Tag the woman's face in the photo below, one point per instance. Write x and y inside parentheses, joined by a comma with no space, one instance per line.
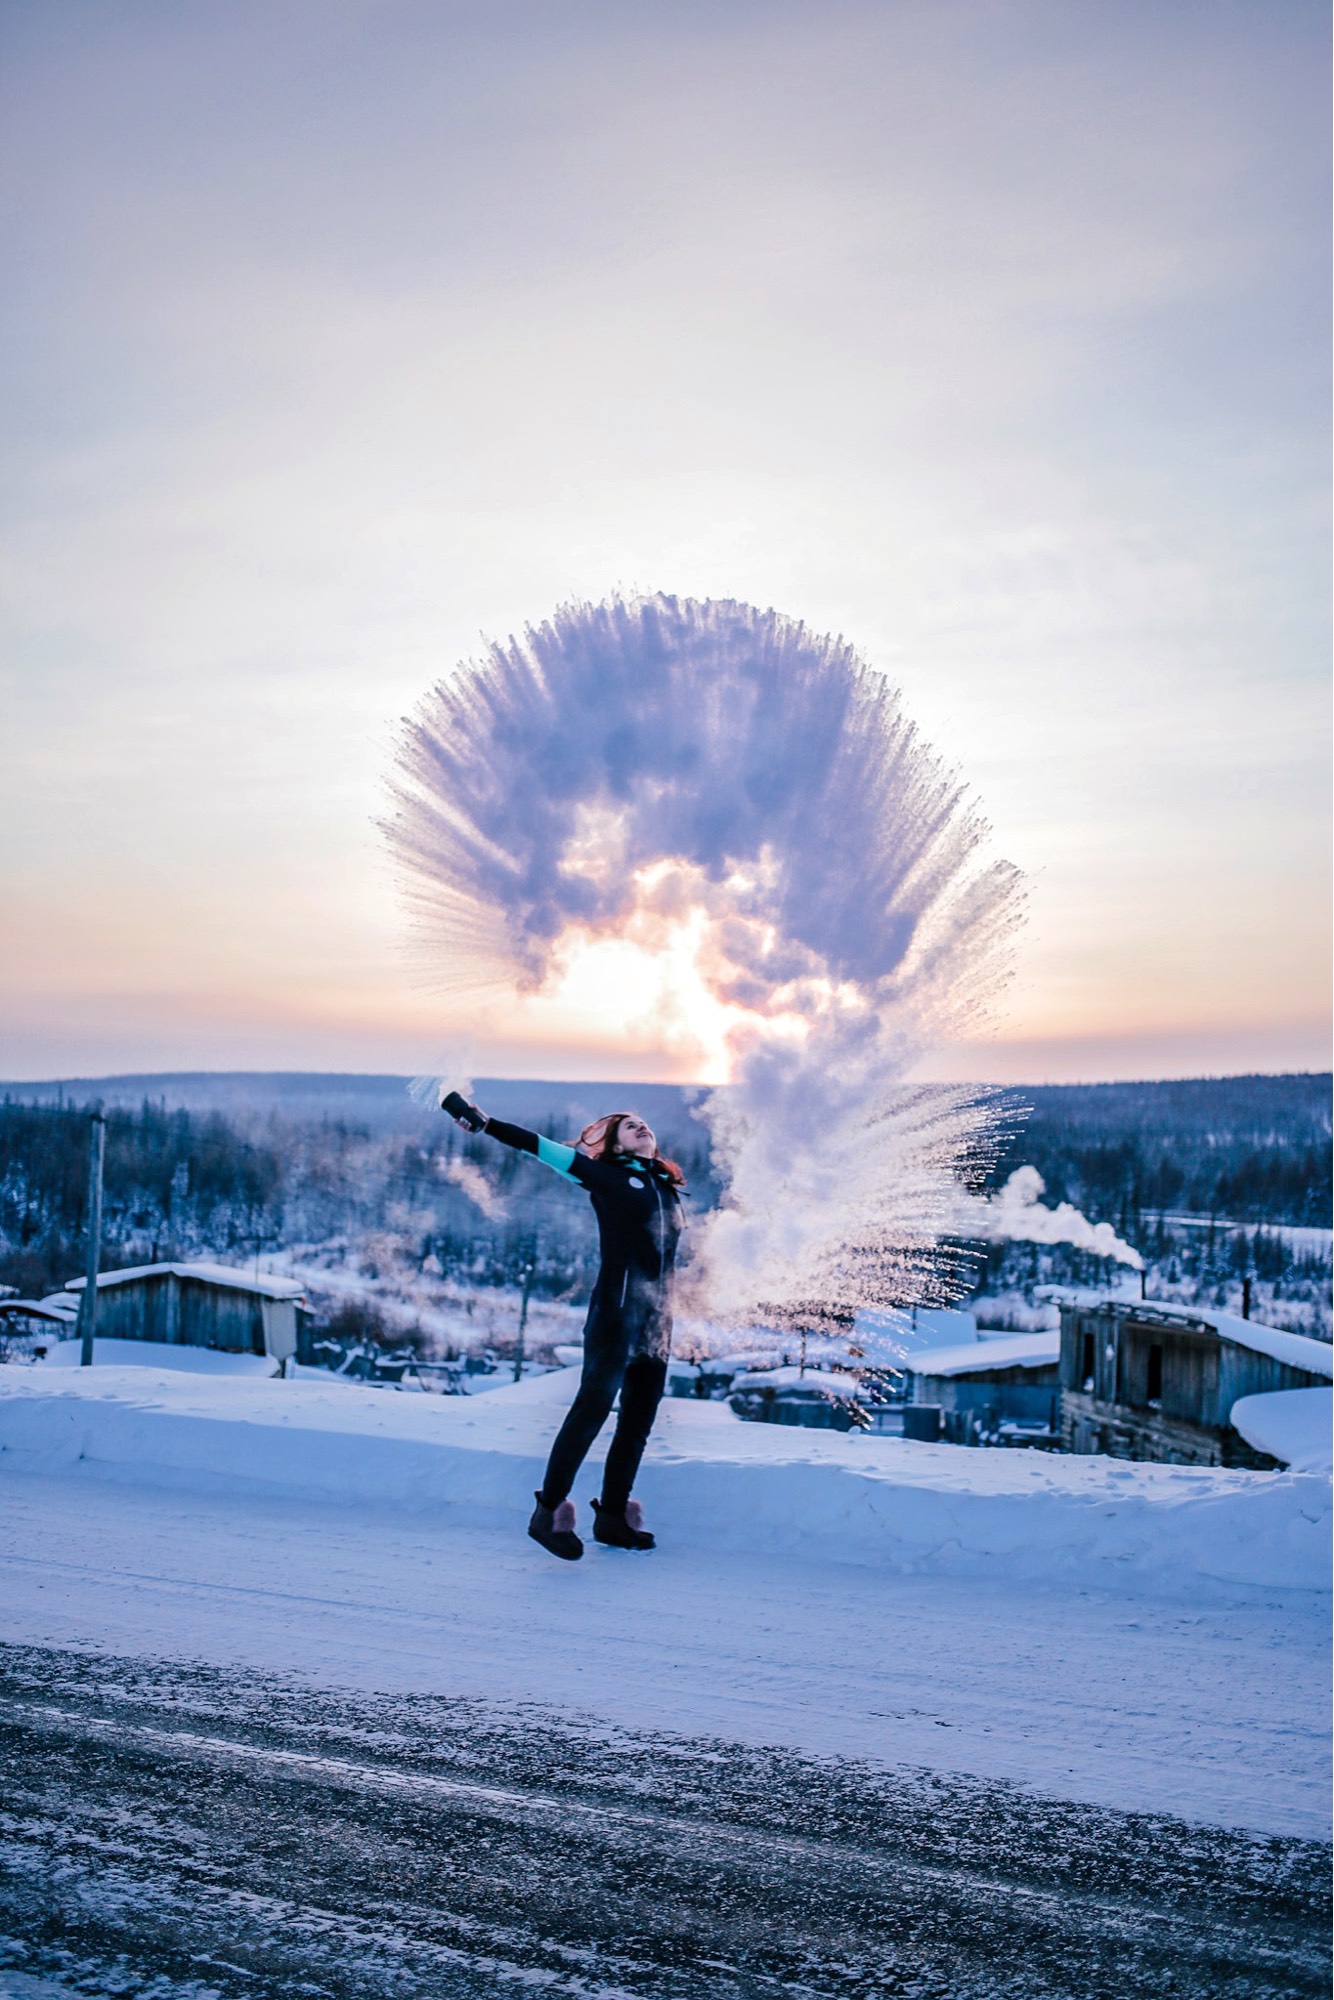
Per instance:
(634,1136)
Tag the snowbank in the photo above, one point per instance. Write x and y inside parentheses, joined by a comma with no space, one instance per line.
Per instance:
(1290,1424)
(761,1489)
(158,1354)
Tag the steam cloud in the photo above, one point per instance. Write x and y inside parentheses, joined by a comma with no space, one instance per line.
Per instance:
(1016,1215)
(633,767)
(470,1180)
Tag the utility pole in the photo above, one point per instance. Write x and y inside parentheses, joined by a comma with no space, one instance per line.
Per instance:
(528,1270)
(97,1139)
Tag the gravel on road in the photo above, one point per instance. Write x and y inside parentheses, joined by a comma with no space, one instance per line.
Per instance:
(176,1832)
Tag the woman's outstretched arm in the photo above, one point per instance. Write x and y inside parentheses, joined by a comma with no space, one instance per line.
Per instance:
(549,1151)
(561,1159)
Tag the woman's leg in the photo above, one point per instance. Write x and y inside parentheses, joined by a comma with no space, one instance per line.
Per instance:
(603,1369)
(641,1393)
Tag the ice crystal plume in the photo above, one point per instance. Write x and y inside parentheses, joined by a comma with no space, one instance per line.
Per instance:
(629,765)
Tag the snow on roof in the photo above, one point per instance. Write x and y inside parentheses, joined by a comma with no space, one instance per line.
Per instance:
(1293,1425)
(265,1286)
(1294,1350)
(36,1309)
(819,1381)
(983,1357)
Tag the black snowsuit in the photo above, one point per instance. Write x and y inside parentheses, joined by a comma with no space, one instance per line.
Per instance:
(628,1331)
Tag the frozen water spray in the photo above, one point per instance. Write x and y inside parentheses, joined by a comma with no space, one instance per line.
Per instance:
(658,768)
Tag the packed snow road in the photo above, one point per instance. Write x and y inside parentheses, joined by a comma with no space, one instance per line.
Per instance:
(199,1833)
(1212,1711)
(295,1707)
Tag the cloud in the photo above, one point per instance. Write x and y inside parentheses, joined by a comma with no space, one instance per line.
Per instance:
(982,333)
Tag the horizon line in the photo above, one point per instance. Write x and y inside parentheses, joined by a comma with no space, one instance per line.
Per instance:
(8,1084)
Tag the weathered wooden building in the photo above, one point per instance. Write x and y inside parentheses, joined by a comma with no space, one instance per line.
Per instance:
(1157,1381)
(199,1305)
(32,1326)
(813,1398)
(1002,1391)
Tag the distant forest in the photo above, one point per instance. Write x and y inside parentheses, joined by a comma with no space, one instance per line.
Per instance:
(173,1181)
(1249,1148)
(190,1183)
(184,1184)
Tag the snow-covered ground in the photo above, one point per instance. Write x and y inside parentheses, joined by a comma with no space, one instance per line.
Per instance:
(1140,1636)
(184,1360)
(1306,1239)
(870,1502)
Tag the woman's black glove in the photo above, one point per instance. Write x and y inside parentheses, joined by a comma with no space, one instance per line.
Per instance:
(464,1114)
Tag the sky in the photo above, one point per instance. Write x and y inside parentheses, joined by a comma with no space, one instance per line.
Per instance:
(342,338)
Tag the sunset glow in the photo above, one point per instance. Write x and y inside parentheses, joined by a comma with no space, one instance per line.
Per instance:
(991,349)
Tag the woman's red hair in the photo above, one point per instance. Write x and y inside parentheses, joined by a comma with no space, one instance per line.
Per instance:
(599,1139)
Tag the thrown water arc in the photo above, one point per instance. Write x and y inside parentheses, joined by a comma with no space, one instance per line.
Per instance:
(630,765)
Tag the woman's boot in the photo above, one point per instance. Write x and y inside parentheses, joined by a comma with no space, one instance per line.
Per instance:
(554,1528)
(621,1531)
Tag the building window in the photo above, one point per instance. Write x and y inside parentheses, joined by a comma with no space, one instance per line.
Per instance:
(1088,1362)
(1155,1374)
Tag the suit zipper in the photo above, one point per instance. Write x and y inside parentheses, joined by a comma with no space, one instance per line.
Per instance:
(662,1241)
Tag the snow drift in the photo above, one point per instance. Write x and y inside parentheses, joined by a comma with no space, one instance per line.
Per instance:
(1293,1425)
(718,1483)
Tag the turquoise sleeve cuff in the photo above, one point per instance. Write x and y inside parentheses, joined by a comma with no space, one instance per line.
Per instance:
(559,1158)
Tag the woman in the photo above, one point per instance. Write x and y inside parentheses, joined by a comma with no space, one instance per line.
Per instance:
(636,1196)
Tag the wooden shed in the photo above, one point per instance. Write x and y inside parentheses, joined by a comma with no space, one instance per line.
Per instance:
(1001,1391)
(199,1305)
(1158,1381)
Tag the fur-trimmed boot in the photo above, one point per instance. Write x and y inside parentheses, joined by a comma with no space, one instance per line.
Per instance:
(554,1528)
(621,1531)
